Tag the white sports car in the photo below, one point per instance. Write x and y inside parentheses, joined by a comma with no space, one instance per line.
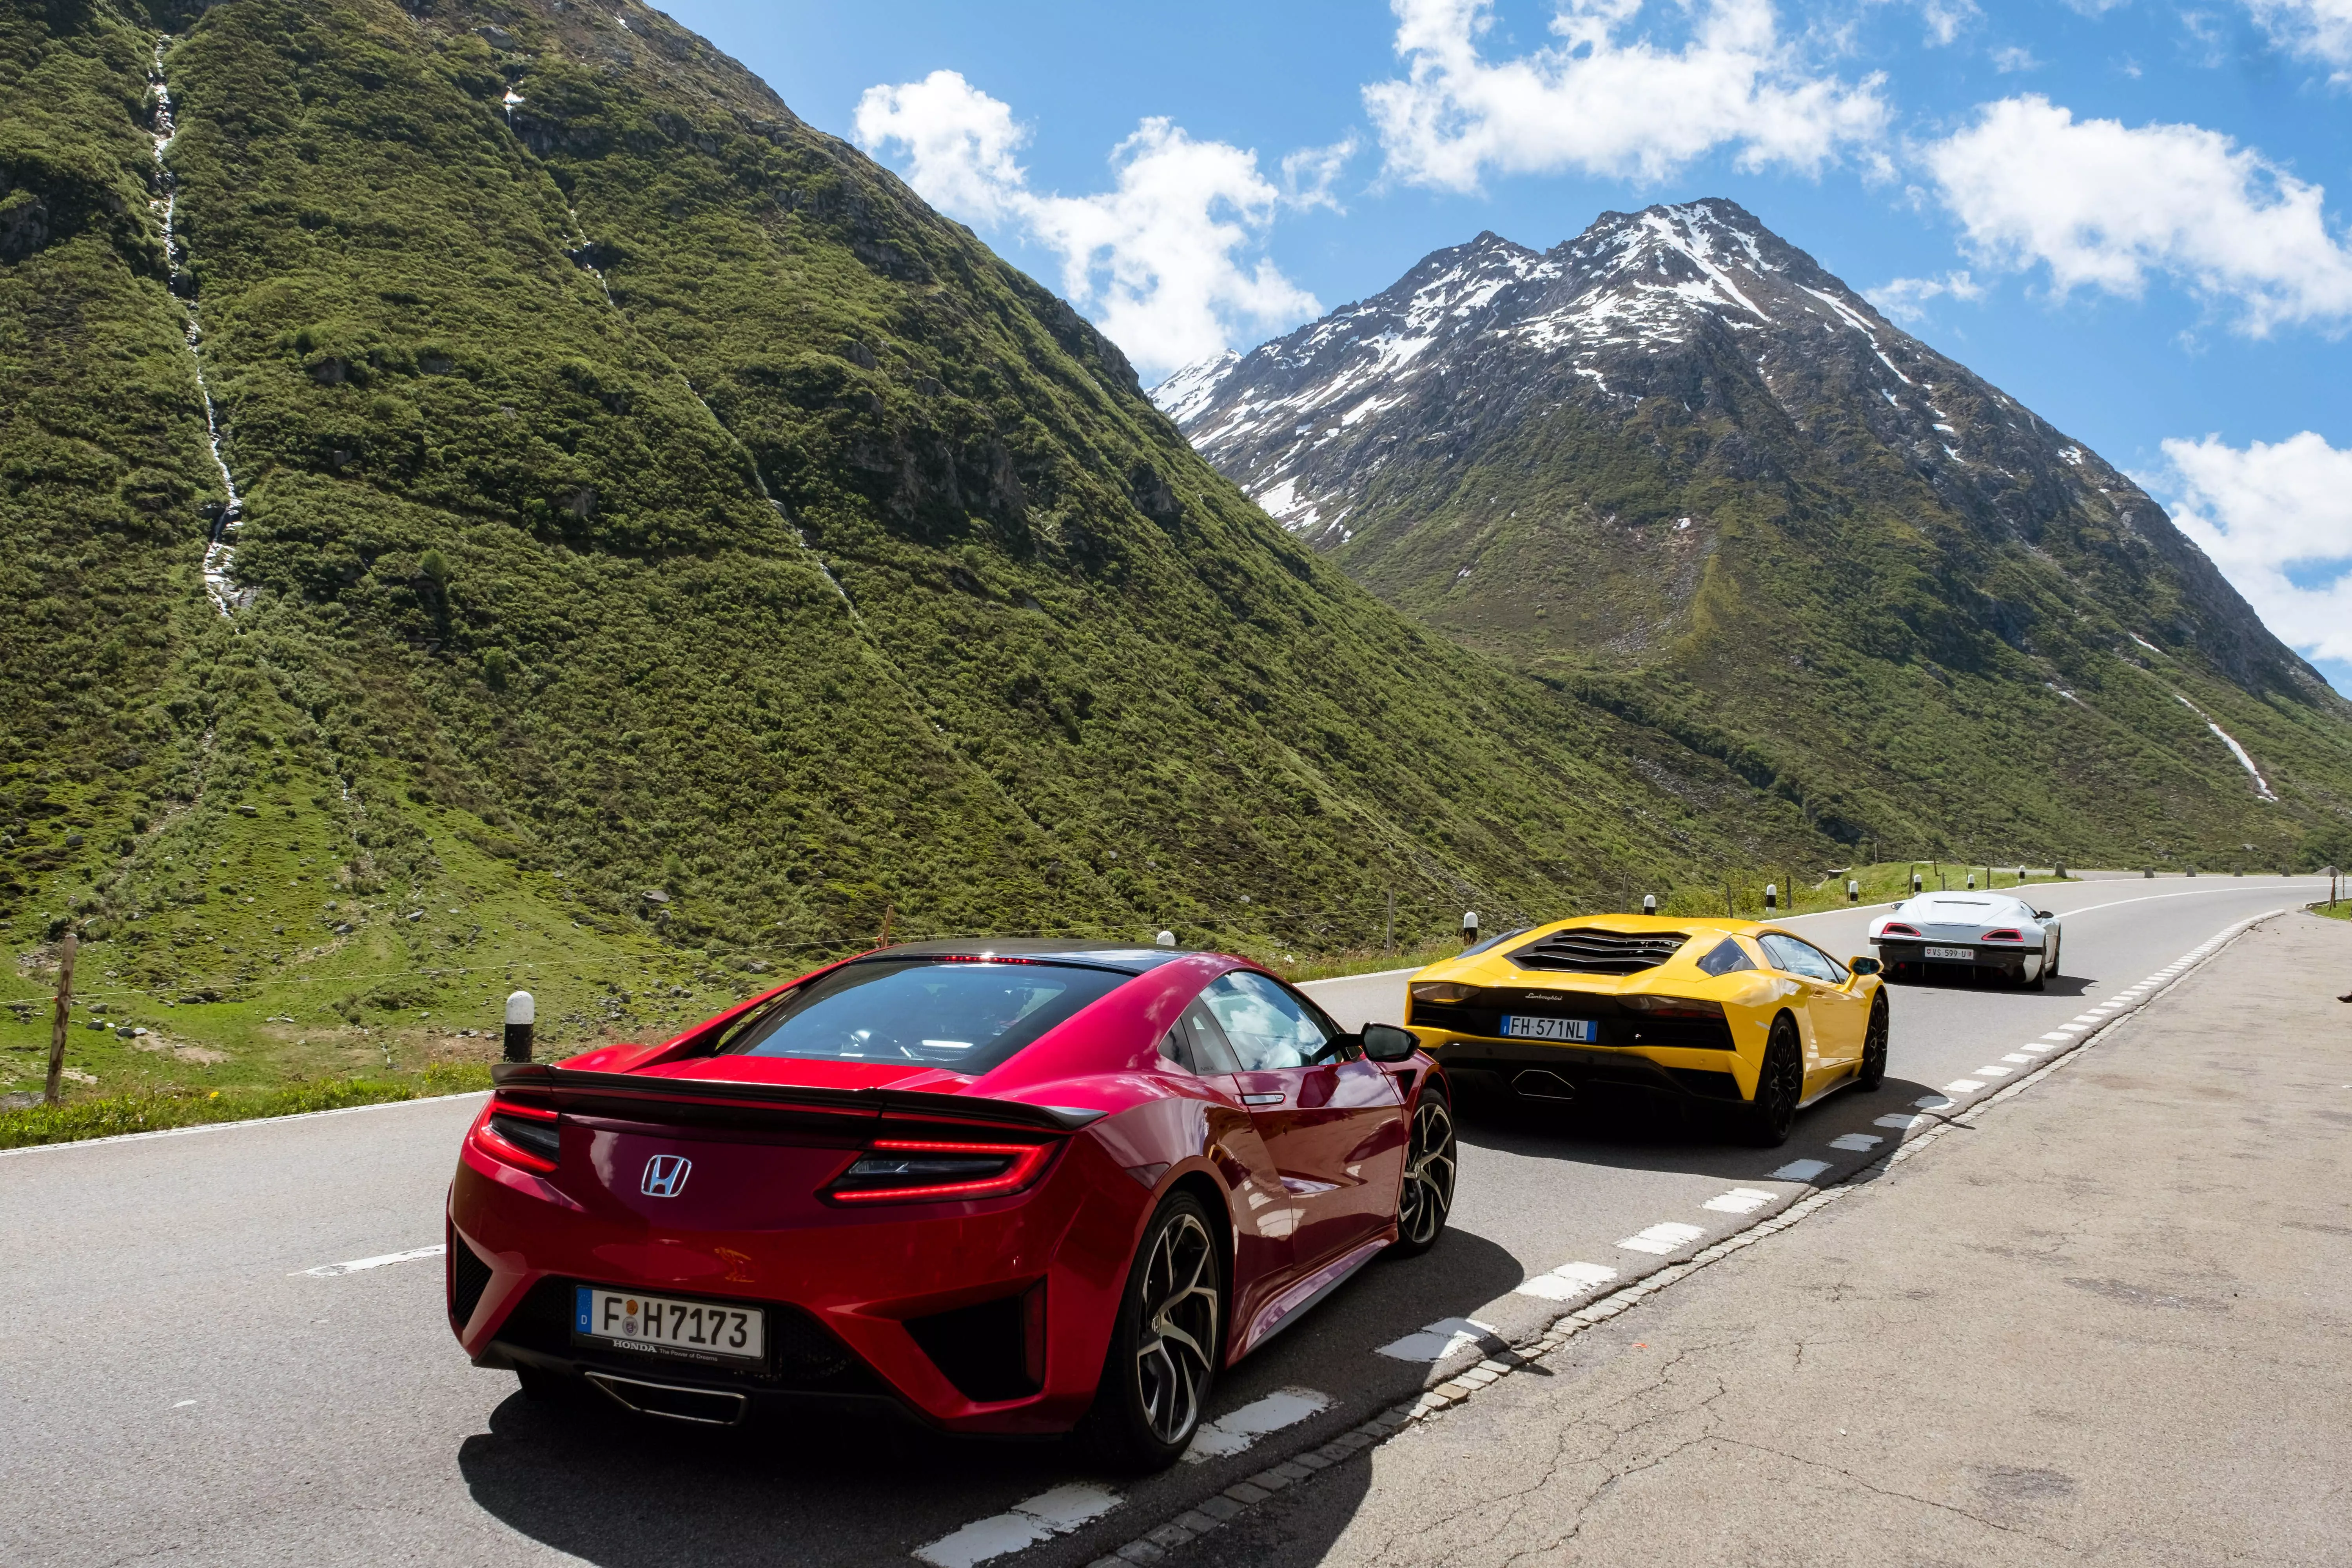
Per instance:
(1946,933)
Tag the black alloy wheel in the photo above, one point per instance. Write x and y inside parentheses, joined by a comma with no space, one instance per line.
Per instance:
(1778,1087)
(1166,1345)
(1874,1046)
(1426,1194)
(2050,966)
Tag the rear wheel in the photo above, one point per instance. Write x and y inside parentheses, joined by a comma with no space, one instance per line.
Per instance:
(1426,1195)
(1165,1346)
(1874,1046)
(2050,964)
(1778,1087)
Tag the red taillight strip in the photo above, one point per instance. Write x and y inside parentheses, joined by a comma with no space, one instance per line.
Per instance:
(500,1147)
(1028,1160)
(2000,936)
(1897,929)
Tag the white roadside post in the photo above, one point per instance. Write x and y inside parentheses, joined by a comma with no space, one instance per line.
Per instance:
(1853,891)
(1469,928)
(1165,938)
(1771,897)
(522,1013)
(1649,903)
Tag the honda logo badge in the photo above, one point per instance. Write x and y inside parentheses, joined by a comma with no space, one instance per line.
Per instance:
(665,1175)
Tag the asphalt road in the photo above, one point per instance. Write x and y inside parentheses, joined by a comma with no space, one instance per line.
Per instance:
(174,1385)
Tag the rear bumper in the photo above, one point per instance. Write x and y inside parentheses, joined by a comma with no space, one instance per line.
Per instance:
(1539,1071)
(850,1306)
(2005,959)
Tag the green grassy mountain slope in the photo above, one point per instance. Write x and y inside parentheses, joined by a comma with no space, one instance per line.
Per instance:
(1675,468)
(658,543)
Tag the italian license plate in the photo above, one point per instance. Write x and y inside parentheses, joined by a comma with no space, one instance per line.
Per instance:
(1581,1030)
(1961,952)
(698,1331)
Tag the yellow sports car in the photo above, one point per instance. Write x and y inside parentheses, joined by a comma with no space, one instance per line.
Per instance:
(1727,1014)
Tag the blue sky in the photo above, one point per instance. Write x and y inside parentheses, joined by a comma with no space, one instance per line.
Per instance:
(2131,216)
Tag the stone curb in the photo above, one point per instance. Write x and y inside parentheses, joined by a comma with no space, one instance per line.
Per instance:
(1245,1494)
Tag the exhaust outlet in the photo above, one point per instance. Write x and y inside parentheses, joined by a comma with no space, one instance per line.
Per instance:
(1542,1083)
(702,1406)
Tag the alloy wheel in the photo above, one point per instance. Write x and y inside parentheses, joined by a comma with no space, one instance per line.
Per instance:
(1874,1046)
(1426,1195)
(1778,1087)
(1173,1356)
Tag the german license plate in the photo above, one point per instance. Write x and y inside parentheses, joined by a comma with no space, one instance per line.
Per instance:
(1581,1030)
(1961,952)
(698,1331)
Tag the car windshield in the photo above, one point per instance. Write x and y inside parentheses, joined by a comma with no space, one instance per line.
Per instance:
(966,1016)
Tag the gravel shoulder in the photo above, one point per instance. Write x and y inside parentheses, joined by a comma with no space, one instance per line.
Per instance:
(2104,1324)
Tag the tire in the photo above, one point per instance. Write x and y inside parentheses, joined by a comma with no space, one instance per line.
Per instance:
(1164,1347)
(1874,1046)
(1425,1196)
(1778,1087)
(2050,966)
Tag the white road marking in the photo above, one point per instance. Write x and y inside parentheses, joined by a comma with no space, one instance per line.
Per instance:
(1801,1170)
(1667,1235)
(1237,1429)
(2086,1019)
(2058,1040)
(1932,1102)
(1996,1071)
(1962,1085)
(1040,1518)
(1856,1142)
(2017,1056)
(1438,1340)
(1901,1123)
(1739,1200)
(2032,1051)
(329,1271)
(183,1405)
(1566,1282)
(2065,1031)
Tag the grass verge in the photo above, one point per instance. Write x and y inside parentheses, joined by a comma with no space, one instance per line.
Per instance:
(155,1109)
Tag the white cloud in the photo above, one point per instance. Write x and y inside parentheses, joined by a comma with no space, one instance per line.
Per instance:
(2103,205)
(2014,58)
(2317,29)
(1308,174)
(1605,100)
(1905,299)
(2268,515)
(1160,260)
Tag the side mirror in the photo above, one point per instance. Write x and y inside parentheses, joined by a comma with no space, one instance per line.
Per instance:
(2043,915)
(1864,965)
(1388,1043)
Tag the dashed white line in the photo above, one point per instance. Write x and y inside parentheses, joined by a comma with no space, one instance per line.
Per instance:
(1801,1170)
(1566,1282)
(1040,1518)
(1667,1235)
(1855,1142)
(1237,1429)
(329,1271)
(1932,1102)
(2014,1056)
(1438,1340)
(1901,1123)
(1739,1200)
(1962,1085)
(1996,1071)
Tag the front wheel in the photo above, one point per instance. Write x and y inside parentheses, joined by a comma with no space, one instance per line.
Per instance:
(1778,1087)
(1874,1046)
(1165,1346)
(1426,1194)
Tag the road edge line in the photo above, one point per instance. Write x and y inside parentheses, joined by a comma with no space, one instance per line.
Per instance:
(243,1121)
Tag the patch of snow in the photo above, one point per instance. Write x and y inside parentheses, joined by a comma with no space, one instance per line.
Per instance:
(2071,456)
(1191,389)
(2261,785)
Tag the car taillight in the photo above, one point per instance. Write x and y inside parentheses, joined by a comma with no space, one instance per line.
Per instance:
(902,1170)
(1897,928)
(2000,936)
(1674,1007)
(1443,991)
(522,1135)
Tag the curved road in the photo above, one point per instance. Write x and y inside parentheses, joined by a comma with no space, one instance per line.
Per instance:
(183,1375)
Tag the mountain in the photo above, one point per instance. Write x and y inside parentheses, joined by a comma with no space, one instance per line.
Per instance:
(487,484)
(1675,468)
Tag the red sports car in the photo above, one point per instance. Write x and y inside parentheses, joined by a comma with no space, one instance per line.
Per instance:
(1014,1187)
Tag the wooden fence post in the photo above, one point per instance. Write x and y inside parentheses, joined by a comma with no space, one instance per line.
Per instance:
(57,1029)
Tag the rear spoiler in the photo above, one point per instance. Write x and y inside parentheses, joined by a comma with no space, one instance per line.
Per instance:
(717,1101)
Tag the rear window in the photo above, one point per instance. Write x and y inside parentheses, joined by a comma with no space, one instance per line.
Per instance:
(967,1018)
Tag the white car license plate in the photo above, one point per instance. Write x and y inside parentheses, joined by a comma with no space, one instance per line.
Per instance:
(1951,952)
(1577,1029)
(699,1329)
